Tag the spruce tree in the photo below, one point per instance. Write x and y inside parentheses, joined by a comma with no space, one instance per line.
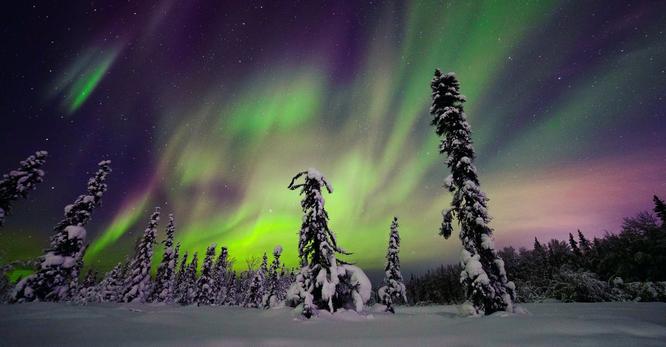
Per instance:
(274,293)
(17,183)
(660,209)
(88,292)
(56,278)
(231,298)
(166,272)
(317,247)
(485,281)
(188,285)
(584,244)
(110,288)
(206,282)
(221,276)
(574,247)
(393,288)
(255,294)
(138,283)
(180,277)
(538,248)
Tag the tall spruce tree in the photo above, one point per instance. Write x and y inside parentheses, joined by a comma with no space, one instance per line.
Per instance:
(188,285)
(660,209)
(317,247)
(163,290)
(138,282)
(180,278)
(485,281)
(206,282)
(17,183)
(393,288)
(274,293)
(221,276)
(57,275)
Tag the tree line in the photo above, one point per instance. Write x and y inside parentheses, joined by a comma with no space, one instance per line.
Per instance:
(627,265)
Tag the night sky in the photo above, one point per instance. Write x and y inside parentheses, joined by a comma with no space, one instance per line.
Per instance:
(208,108)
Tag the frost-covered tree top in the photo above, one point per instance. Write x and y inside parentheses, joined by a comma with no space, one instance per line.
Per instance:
(660,209)
(483,276)
(317,243)
(78,213)
(17,183)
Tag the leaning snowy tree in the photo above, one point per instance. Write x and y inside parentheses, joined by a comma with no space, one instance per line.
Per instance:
(485,281)
(17,183)
(324,281)
(163,290)
(137,284)
(57,275)
(206,282)
(393,283)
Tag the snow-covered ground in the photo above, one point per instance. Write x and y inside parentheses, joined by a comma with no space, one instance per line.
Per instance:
(547,324)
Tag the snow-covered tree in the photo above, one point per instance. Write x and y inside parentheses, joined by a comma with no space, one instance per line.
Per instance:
(318,285)
(221,276)
(138,284)
(58,271)
(231,298)
(274,291)
(205,294)
(487,288)
(87,292)
(17,183)
(111,287)
(393,288)
(187,288)
(180,277)
(660,209)
(163,290)
(257,287)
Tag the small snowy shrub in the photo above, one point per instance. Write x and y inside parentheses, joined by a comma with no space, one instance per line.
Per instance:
(644,291)
(580,286)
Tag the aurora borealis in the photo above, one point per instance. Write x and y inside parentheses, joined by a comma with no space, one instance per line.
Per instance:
(207,109)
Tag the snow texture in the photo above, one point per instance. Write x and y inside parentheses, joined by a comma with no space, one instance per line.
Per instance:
(551,324)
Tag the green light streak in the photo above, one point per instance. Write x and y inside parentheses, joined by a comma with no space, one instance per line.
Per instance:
(128,217)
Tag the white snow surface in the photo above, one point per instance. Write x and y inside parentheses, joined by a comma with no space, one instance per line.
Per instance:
(546,324)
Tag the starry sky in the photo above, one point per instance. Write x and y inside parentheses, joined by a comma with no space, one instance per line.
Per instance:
(208,108)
